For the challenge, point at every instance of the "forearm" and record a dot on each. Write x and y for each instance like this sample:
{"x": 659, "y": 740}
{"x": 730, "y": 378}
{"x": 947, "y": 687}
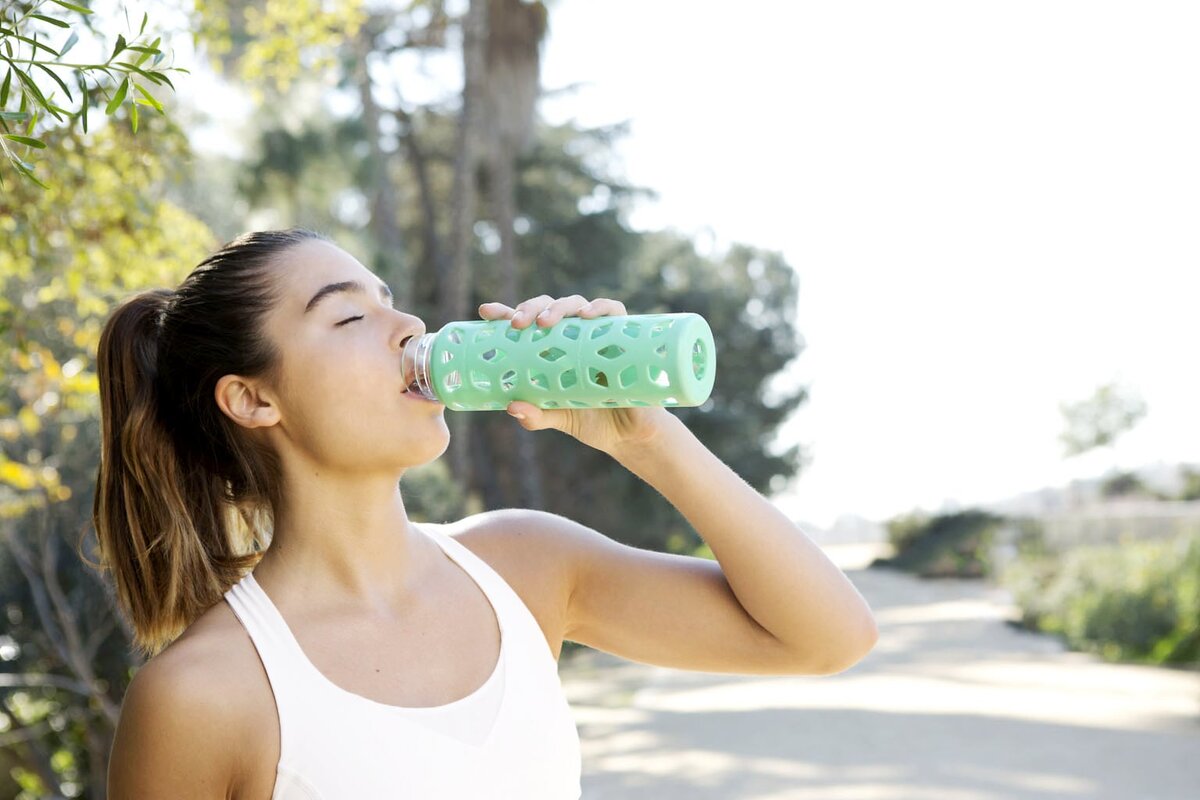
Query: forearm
{"x": 778, "y": 574}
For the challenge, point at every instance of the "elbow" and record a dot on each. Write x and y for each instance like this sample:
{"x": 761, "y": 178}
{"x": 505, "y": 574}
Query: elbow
{"x": 855, "y": 651}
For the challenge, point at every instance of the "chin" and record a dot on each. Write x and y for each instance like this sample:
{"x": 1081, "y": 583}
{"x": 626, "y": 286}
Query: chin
{"x": 427, "y": 449}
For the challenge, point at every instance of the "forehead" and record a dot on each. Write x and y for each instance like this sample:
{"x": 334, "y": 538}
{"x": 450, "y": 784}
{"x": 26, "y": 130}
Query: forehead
{"x": 316, "y": 270}
{"x": 316, "y": 260}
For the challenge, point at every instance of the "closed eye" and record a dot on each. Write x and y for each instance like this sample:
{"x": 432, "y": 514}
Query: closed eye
{"x": 343, "y": 322}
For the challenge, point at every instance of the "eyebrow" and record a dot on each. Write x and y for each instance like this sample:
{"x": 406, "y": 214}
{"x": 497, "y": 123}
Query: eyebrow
{"x": 345, "y": 286}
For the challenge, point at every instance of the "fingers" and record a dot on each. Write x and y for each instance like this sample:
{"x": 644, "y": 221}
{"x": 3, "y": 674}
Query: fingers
{"x": 547, "y": 311}
{"x": 495, "y": 311}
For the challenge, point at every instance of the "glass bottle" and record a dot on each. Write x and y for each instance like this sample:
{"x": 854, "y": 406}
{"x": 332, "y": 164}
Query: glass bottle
{"x": 602, "y": 362}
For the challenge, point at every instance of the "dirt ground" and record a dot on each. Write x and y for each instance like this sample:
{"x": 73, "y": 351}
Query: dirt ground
{"x": 954, "y": 703}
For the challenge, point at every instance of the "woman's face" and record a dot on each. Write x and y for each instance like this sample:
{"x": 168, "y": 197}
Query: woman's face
{"x": 342, "y": 395}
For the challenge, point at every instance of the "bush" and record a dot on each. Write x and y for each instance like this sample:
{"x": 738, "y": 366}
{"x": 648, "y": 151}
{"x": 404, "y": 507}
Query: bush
{"x": 1191, "y": 484}
{"x": 946, "y": 546}
{"x": 1138, "y": 601}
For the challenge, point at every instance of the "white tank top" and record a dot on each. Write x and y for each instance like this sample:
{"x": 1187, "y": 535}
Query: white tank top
{"x": 512, "y": 739}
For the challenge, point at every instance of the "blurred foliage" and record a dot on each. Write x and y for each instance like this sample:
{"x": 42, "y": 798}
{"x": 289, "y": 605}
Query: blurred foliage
{"x": 98, "y": 233}
{"x": 1099, "y": 420}
{"x": 1191, "y": 484}
{"x": 28, "y": 61}
{"x": 957, "y": 545}
{"x": 1126, "y": 485}
{"x": 273, "y": 42}
{"x": 1138, "y": 601}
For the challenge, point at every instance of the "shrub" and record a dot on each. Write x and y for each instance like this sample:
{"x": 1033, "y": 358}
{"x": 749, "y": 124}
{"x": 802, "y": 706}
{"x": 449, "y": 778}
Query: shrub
{"x": 948, "y": 545}
{"x": 1137, "y": 601}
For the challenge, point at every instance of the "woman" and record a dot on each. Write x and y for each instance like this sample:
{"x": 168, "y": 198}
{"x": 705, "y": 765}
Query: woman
{"x": 255, "y": 429}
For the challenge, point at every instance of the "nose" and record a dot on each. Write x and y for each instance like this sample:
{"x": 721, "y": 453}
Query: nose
{"x": 406, "y": 329}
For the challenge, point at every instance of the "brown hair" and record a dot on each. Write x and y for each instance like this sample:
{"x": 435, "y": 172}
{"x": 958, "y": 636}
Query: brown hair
{"x": 185, "y": 498}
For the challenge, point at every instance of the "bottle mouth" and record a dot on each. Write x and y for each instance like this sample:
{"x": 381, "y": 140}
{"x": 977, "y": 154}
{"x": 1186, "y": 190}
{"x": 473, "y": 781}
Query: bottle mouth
{"x": 415, "y": 364}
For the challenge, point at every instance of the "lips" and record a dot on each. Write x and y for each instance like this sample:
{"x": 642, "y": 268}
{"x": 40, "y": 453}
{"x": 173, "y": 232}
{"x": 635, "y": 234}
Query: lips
{"x": 407, "y": 372}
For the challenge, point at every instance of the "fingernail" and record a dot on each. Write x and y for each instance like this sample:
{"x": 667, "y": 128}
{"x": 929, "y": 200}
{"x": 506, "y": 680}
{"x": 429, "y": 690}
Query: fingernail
{"x": 517, "y": 414}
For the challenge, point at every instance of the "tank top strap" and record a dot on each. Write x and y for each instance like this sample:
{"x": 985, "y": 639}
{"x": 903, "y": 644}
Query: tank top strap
{"x": 526, "y": 638}
{"x": 277, "y": 649}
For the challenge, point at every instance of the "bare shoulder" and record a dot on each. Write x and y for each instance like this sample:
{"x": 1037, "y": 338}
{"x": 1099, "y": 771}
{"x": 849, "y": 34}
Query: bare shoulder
{"x": 519, "y": 545}
{"x": 172, "y": 737}
{"x": 515, "y": 542}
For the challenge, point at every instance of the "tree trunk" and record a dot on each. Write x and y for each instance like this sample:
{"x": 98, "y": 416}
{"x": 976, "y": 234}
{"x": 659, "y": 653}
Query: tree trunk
{"x": 454, "y": 296}
{"x": 432, "y": 256}
{"x": 504, "y": 203}
{"x": 515, "y": 33}
{"x": 384, "y": 205}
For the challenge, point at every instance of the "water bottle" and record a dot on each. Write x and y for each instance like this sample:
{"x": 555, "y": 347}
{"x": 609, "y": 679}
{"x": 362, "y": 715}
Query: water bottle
{"x": 602, "y": 362}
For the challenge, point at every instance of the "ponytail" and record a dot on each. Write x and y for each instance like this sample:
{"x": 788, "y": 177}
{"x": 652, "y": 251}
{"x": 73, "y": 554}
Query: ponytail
{"x": 184, "y": 497}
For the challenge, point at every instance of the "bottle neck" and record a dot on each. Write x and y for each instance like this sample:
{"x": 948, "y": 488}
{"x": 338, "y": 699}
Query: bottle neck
{"x": 417, "y": 354}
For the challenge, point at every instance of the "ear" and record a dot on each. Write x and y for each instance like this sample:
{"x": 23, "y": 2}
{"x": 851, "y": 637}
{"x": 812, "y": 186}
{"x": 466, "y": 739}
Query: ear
{"x": 246, "y": 403}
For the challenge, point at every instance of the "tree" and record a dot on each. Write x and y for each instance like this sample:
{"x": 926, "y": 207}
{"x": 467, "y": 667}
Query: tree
{"x": 1099, "y": 420}
{"x": 98, "y": 232}
{"x": 23, "y": 69}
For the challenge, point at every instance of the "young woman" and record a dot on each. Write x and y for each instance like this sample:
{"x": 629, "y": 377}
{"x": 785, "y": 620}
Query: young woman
{"x": 306, "y": 638}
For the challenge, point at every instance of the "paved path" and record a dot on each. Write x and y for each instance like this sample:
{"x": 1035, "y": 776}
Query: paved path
{"x": 952, "y": 704}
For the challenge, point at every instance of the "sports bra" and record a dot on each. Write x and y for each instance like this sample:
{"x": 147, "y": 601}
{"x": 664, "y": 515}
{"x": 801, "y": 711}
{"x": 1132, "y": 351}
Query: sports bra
{"x": 514, "y": 738}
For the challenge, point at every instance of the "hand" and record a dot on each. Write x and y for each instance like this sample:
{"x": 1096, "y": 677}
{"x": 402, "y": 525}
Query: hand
{"x": 602, "y": 428}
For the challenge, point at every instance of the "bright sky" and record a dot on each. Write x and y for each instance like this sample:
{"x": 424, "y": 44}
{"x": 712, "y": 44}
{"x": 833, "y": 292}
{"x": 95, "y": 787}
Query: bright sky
{"x": 992, "y": 209}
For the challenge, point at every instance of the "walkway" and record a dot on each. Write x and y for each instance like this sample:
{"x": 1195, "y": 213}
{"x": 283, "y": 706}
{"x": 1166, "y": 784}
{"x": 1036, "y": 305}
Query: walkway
{"x": 952, "y": 704}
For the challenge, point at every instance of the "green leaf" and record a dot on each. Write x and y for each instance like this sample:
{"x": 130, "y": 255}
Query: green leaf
{"x": 145, "y": 18}
{"x": 148, "y": 51}
{"x": 71, "y": 40}
{"x": 133, "y": 117}
{"x": 150, "y": 101}
{"x": 27, "y": 171}
{"x": 57, "y": 80}
{"x": 32, "y": 88}
{"x": 161, "y": 78}
{"x": 4, "y": 88}
{"x": 28, "y": 140}
{"x": 119, "y": 46}
{"x": 36, "y": 44}
{"x": 13, "y": 116}
{"x": 84, "y": 113}
{"x": 72, "y": 6}
{"x": 115, "y": 103}
{"x": 157, "y": 77}
{"x": 51, "y": 20}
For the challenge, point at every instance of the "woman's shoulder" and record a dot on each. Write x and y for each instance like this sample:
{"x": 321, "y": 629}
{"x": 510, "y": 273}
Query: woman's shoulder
{"x": 206, "y": 681}
{"x": 217, "y": 647}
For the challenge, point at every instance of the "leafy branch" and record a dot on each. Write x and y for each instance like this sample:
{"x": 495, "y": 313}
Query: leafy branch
{"x": 126, "y": 68}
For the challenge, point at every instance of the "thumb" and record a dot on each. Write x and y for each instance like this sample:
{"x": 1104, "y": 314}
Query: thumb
{"x": 531, "y": 417}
